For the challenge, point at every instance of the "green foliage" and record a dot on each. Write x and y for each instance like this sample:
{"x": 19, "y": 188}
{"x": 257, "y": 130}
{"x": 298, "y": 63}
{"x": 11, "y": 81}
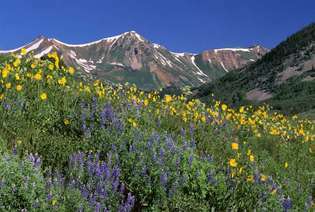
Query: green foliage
{"x": 22, "y": 186}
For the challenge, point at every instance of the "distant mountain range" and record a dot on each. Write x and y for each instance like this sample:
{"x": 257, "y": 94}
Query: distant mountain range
{"x": 283, "y": 78}
{"x": 130, "y": 57}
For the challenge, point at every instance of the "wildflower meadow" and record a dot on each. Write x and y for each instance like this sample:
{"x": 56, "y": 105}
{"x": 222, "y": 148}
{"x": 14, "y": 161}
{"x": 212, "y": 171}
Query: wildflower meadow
{"x": 69, "y": 144}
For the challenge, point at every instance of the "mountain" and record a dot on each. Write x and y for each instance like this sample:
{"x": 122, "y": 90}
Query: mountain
{"x": 284, "y": 77}
{"x": 130, "y": 57}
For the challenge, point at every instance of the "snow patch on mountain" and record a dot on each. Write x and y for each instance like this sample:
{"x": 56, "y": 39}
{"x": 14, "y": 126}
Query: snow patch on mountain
{"x": 44, "y": 52}
{"x": 163, "y": 59}
{"x": 223, "y": 66}
{"x": 34, "y": 46}
{"x": 199, "y": 72}
{"x": 109, "y": 39}
{"x": 178, "y": 54}
{"x": 139, "y": 37}
{"x": 100, "y": 60}
{"x": 232, "y": 49}
{"x": 157, "y": 46}
{"x": 29, "y": 47}
{"x": 117, "y": 64}
{"x": 85, "y": 65}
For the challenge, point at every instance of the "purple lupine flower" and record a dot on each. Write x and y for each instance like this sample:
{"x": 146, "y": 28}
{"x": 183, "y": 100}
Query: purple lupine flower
{"x": 84, "y": 192}
{"x": 7, "y": 106}
{"x": 35, "y": 204}
{"x": 190, "y": 160}
{"x": 257, "y": 177}
{"x": 101, "y": 180}
{"x": 122, "y": 188}
{"x": 170, "y": 143}
{"x": 210, "y": 178}
{"x": 128, "y": 205}
{"x": 49, "y": 196}
{"x": 108, "y": 113}
{"x": 163, "y": 179}
{"x": 150, "y": 142}
{"x": 193, "y": 144}
{"x": 98, "y": 207}
{"x": 161, "y": 153}
{"x": 209, "y": 158}
{"x": 286, "y": 204}
{"x": 191, "y": 129}
{"x": 173, "y": 189}
{"x": 154, "y": 156}
{"x": 182, "y": 132}
{"x": 118, "y": 125}
{"x": 14, "y": 151}
{"x": 35, "y": 159}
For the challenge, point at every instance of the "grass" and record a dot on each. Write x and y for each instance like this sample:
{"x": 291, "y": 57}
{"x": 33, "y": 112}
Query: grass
{"x": 118, "y": 148}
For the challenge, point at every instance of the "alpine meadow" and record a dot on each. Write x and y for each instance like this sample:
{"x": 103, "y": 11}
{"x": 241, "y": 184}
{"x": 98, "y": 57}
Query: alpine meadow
{"x": 125, "y": 124}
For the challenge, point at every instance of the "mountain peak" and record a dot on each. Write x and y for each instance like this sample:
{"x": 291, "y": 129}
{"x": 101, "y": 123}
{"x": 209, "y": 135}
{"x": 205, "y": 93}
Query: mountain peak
{"x": 134, "y": 34}
{"x": 40, "y": 37}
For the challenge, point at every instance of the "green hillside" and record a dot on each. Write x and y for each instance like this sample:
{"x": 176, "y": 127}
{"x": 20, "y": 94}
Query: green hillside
{"x": 70, "y": 145}
{"x": 283, "y": 78}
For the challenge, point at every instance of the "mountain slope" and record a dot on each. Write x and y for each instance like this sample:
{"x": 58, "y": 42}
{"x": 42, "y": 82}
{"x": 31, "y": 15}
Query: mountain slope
{"x": 284, "y": 77}
{"x": 129, "y": 57}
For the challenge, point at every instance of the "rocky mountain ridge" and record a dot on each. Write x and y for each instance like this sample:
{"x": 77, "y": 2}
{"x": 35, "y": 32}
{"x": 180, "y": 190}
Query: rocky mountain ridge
{"x": 129, "y": 57}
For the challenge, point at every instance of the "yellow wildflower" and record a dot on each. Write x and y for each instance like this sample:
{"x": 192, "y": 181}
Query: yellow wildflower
{"x": 167, "y": 98}
{"x": 38, "y": 76}
{"x": 5, "y": 73}
{"x": 54, "y": 202}
{"x": 224, "y": 107}
{"x": 23, "y": 51}
{"x": 43, "y": 96}
{"x": 234, "y": 146}
{"x": 241, "y": 110}
{"x": 19, "y": 87}
{"x": 263, "y": 178}
{"x": 17, "y": 77}
{"x": 62, "y": 81}
{"x": 66, "y": 121}
{"x": 71, "y": 70}
{"x": 146, "y": 102}
{"x": 249, "y": 152}
{"x": 17, "y": 62}
{"x": 286, "y": 165}
{"x": 51, "y": 66}
{"x": 233, "y": 163}
{"x": 252, "y": 158}
{"x": 8, "y": 85}
{"x": 250, "y": 178}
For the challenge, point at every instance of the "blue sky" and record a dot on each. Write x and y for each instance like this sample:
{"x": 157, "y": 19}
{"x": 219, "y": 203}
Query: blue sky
{"x": 180, "y": 25}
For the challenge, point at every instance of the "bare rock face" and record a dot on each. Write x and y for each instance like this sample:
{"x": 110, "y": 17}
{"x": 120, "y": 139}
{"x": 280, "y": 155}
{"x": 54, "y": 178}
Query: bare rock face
{"x": 233, "y": 58}
{"x": 130, "y": 57}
